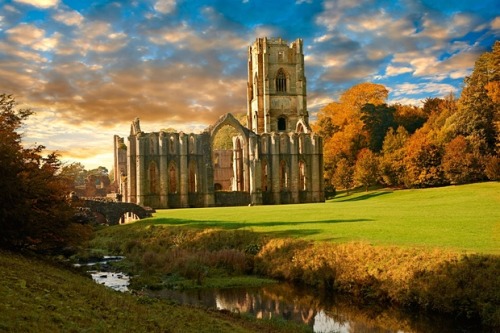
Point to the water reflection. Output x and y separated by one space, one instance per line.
319 312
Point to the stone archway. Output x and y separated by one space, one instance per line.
230 161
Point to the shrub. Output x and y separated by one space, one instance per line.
492 167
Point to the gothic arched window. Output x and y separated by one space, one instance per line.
153 179
193 177
281 80
283 175
302 176
255 86
264 176
281 124
172 178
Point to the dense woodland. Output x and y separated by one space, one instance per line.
446 141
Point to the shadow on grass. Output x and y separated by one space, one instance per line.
240 225
363 197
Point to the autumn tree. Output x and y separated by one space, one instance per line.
343 176
461 162
410 117
341 125
392 168
422 161
364 93
439 125
492 167
34 211
366 168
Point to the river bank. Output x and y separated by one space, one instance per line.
39 295
420 279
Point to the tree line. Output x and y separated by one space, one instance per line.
445 141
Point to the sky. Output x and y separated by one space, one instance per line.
88 68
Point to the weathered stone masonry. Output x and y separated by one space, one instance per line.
276 160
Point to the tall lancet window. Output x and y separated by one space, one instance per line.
281 80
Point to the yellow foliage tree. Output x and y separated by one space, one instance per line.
341 125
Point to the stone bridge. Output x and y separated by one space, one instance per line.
115 212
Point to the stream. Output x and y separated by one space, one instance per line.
332 314
323 314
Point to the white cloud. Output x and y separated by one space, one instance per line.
98 36
430 88
11 9
394 71
323 38
407 101
25 34
47 44
445 29
495 24
184 37
165 6
40 3
69 18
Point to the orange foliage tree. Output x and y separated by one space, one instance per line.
34 212
422 162
341 125
461 162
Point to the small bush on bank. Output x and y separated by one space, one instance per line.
463 285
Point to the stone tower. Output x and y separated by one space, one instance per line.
276 91
275 159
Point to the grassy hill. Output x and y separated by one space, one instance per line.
38 296
463 218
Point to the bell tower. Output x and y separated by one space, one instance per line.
276 89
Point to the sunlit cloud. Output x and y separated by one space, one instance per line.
432 88
89 69
165 6
40 3
495 24
25 34
69 17
394 70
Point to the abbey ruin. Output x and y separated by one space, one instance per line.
274 159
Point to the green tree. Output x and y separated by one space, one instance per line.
410 117
34 211
75 173
377 120
366 168
343 176
392 168
478 113
223 140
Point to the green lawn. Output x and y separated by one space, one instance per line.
464 218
